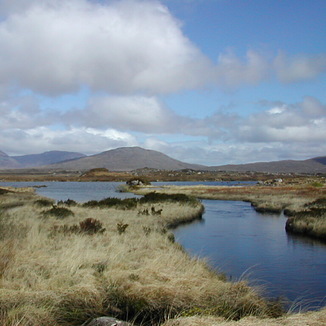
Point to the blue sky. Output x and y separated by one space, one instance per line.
205 81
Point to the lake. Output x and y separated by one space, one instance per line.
236 240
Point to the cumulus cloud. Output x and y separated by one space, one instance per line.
135 113
23 112
84 140
300 122
146 115
124 46
231 71
299 68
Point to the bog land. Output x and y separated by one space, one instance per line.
65 263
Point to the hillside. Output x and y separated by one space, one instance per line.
314 165
6 162
134 158
51 157
126 159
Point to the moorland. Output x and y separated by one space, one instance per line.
65 263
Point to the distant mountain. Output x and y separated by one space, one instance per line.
314 165
6 162
126 159
51 157
133 158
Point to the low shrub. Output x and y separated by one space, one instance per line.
91 226
88 226
154 197
127 203
44 202
58 212
68 202
121 227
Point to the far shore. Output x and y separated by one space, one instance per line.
303 202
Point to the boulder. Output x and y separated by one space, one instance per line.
135 182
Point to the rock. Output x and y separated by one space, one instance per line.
135 182
107 321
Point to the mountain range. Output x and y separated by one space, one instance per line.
36 160
132 158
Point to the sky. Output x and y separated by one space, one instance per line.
210 82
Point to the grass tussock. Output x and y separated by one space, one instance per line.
109 261
310 221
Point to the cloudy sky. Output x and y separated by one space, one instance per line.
204 81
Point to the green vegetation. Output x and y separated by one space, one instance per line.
154 197
68 202
58 212
127 203
44 202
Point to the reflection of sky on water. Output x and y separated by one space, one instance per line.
243 243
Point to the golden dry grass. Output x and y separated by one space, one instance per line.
51 277
305 319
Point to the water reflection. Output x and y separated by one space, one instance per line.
243 243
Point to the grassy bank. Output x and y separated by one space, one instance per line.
63 264
302 319
310 221
303 202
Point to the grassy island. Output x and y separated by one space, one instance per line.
303 202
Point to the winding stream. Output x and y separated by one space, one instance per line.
245 244
236 240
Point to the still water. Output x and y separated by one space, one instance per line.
235 239
245 244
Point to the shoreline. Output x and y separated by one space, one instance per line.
62 263
148 274
303 204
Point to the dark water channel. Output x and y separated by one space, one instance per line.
236 240
245 244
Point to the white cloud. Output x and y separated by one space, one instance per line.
300 122
299 68
23 112
55 47
136 113
84 140
126 47
146 115
231 71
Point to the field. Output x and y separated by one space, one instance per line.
66 263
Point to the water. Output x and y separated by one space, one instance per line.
236 239
79 191
245 244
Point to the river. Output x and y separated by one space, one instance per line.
236 240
